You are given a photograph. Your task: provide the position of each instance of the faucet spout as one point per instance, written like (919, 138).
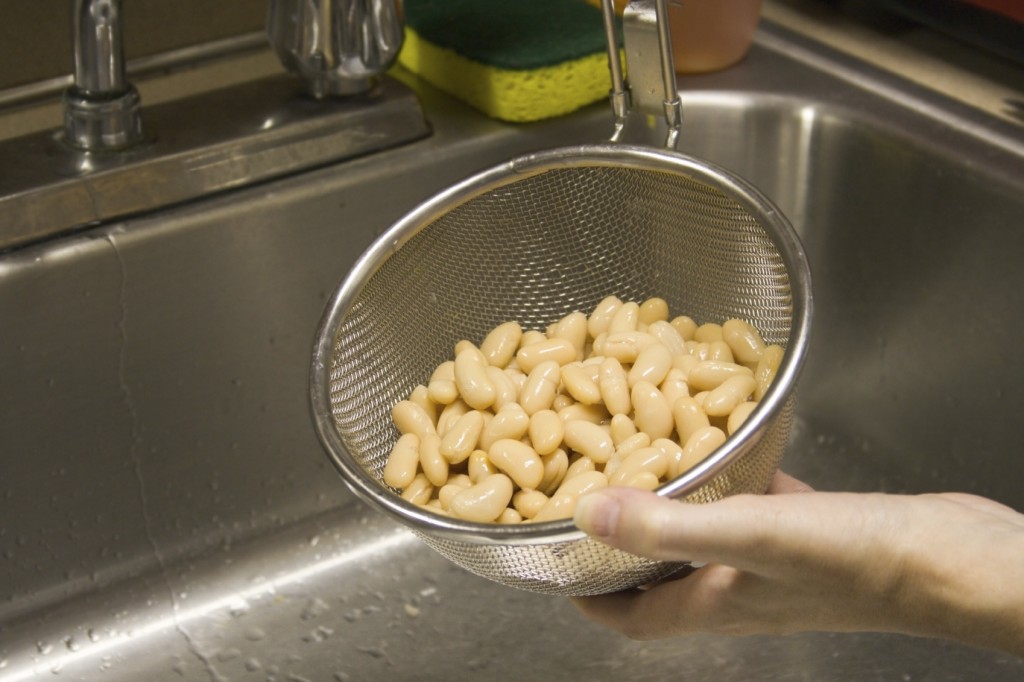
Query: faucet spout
(101, 108)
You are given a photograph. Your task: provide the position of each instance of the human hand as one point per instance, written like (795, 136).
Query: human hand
(945, 565)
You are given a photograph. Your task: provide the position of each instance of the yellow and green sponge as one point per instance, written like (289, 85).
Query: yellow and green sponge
(514, 60)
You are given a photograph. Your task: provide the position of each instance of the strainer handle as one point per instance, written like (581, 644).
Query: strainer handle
(646, 31)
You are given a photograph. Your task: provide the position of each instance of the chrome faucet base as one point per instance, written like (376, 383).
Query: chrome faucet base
(92, 123)
(249, 133)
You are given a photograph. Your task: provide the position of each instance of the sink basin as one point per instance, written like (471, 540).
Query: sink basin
(169, 514)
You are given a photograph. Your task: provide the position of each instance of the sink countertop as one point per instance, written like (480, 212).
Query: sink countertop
(918, 53)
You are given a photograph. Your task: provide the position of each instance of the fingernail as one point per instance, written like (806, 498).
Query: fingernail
(597, 514)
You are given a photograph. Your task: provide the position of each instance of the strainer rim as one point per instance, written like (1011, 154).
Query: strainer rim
(514, 170)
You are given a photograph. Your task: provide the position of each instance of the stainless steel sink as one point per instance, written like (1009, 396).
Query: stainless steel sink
(166, 512)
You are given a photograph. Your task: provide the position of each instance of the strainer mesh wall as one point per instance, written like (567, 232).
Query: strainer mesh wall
(533, 251)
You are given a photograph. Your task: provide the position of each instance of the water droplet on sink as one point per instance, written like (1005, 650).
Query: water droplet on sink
(254, 634)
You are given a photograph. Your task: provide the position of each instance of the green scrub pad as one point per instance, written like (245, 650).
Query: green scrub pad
(518, 60)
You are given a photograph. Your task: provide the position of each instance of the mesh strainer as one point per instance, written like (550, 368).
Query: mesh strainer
(533, 240)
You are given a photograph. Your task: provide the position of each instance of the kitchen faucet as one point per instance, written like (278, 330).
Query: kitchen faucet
(101, 108)
(339, 47)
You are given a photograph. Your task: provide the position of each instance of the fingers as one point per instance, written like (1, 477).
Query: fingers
(750, 532)
(643, 523)
(701, 602)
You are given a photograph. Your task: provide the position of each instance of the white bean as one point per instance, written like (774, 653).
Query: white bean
(578, 382)
(590, 440)
(685, 326)
(697, 448)
(483, 501)
(574, 328)
(767, 367)
(518, 461)
(739, 415)
(689, 417)
(500, 345)
(433, 464)
(419, 491)
(746, 343)
(555, 467)
(651, 411)
(411, 418)
(461, 439)
(546, 431)
(510, 422)
(403, 462)
(559, 350)
(540, 388)
(471, 379)
(652, 364)
(710, 374)
(614, 387)
(730, 393)
(653, 310)
(601, 316)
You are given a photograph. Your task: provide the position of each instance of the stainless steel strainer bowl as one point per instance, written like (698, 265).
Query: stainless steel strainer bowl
(533, 240)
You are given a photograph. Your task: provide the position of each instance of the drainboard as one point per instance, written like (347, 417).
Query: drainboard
(169, 514)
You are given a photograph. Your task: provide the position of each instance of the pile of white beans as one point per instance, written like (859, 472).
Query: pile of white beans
(520, 427)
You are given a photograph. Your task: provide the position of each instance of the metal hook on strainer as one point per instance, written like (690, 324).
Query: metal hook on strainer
(532, 240)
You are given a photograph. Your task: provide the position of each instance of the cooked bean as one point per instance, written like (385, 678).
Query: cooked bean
(411, 418)
(480, 466)
(767, 366)
(441, 387)
(697, 448)
(733, 391)
(403, 462)
(433, 464)
(674, 385)
(685, 326)
(471, 379)
(590, 440)
(614, 387)
(739, 415)
(689, 417)
(708, 332)
(555, 467)
(653, 310)
(546, 431)
(710, 374)
(601, 316)
(651, 411)
(449, 415)
(528, 502)
(559, 350)
(625, 318)
(518, 461)
(461, 439)
(573, 327)
(652, 364)
(500, 345)
(622, 428)
(578, 383)
(746, 343)
(484, 501)
(506, 391)
(419, 490)
(649, 459)
(540, 388)
(510, 422)
(668, 336)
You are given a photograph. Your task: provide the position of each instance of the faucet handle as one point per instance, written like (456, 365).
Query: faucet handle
(338, 46)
